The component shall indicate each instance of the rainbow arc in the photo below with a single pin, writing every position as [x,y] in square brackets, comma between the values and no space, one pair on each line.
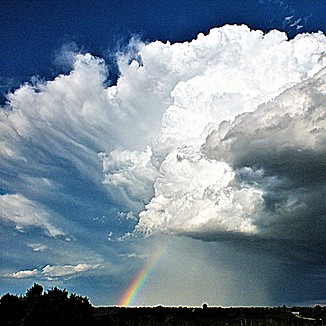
[130,295]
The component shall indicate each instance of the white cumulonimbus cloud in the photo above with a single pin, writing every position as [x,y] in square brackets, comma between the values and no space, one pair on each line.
[273,163]
[221,135]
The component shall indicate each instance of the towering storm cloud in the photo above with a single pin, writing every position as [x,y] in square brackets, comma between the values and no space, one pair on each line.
[261,173]
[224,162]
[184,132]
[223,137]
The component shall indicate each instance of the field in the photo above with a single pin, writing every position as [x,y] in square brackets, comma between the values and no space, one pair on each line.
[209,316]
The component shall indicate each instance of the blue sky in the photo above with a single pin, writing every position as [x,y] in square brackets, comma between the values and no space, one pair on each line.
[148,123]
[33,32]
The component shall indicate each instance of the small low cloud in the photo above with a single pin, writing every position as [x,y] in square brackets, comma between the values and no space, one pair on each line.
[54,271]
[38,247]
[67,270]
[133,255]
[23,274]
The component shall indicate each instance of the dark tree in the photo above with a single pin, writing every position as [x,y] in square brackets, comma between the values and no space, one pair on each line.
[53,307]
[34,293]
[10,309]
[33,306]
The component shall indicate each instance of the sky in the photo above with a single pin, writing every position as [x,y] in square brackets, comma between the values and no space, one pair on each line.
[163,152]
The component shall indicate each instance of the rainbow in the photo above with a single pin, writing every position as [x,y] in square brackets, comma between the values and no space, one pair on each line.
[136,285]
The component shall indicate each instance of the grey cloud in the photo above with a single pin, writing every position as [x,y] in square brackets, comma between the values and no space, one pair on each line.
[280,148]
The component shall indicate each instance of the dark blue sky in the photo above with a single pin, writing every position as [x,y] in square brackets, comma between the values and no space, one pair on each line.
[33,32]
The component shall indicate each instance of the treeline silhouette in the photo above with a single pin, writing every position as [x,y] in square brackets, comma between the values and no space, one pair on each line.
[53,307]
[57,307]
